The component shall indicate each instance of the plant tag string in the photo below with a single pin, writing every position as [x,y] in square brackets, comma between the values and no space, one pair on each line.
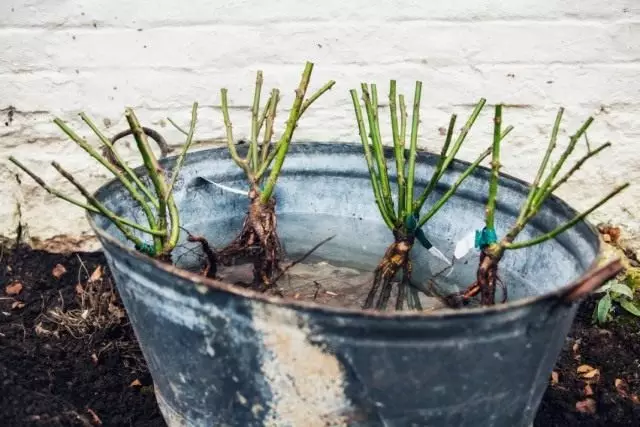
[225,188]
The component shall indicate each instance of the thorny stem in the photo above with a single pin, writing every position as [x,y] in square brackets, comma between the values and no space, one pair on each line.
[99,206]
[415,123]
[107,142]
[577,166]
[316,95]
[495,168]
[552,234]
[543,166]
[230,142]
[270,119]
[539,197]
[398,145]
[371,106]
[185,148]
[282,147]
[434,178]
[165,198]
[373,174]
[79,204]
[116,172]
[446,196]
[255,110]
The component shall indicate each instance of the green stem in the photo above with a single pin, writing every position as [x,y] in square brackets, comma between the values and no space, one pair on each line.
[185,148]
[242,163]
[282,147]
[94,202]
[175,125]
[575,168]
[552,234]
[255,110]
[398,148]
[370,164]
[155,173]
[524,212]
[116,172]
[417,206]
[268,130]
[495,168]
[446,196]
[554,171]
[79,204]
[107,142]
[415,123]
[316,95]
[371,106]
[463,135]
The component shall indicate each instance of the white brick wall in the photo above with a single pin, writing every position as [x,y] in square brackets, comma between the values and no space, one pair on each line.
[62,57]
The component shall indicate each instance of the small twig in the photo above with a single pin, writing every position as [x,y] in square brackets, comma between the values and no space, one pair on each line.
[302,258]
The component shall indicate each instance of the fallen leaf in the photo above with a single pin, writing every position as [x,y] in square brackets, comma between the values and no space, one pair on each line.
[135,383]
[79,289]
[13,289]
[582,369]
[58,271]
[17,305]
[587,406]
[95,420]
[588,391]
[554,378]
[622,387]
[96,275]
[591,374]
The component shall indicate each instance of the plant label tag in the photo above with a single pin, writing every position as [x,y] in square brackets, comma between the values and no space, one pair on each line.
[465,245]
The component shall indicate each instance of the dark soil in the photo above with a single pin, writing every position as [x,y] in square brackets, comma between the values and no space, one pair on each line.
[70,371]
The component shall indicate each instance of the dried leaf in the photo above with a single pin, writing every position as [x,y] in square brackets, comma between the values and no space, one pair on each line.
[554,378]
[622,387]
[591,374]
[588,391]
[17,305]
[96,275]
[586,406]
[13,289]
[79,289]
[135,383]
[58,271]
[116,311]
[582,369]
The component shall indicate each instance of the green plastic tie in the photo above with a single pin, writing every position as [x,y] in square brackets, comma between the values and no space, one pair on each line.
[146,249]
[485,237]
[411,222]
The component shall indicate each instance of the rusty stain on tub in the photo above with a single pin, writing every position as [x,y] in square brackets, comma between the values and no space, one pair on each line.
[306,381]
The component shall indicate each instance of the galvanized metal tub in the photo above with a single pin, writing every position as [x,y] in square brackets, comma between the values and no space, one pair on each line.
[220,355]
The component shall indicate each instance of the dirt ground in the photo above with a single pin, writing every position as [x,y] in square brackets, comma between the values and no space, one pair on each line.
[68,356]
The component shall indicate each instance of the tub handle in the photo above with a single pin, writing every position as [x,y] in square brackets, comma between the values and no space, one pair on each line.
[592,281]
[155,135]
